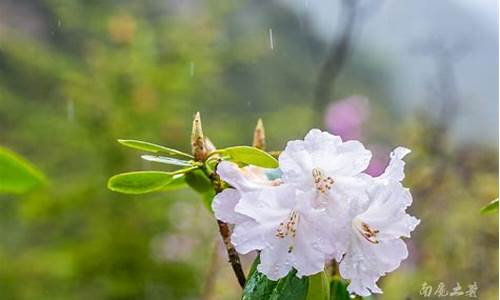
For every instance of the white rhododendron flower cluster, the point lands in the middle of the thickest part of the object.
(318, 206)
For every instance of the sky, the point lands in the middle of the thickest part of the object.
(395, 31)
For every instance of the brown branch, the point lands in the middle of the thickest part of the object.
(225, 232)
(234, 258)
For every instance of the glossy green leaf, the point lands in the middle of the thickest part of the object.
(177, 182)
(250, 155)
(338, 289)
(201, 184)
(491, 207)
(319, 288)
(150, 147)
(288, 288)
(167, 160)
(140, 182)
(17, 175)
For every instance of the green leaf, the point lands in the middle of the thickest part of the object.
(167, 160)
(338, 289)
(201, 184)
(140, 182)
(319, 288)
(17, 175)
(178, 182)
(150, 147)
(491, 207)
(251, 155)
(291, 287)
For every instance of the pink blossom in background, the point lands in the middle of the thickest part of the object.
(345, 117)
(379, 161)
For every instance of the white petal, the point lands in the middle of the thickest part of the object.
(223, 207)
(275, 261)
(350, 159)
(267, 205)
(366, 262)
(309, 249)
(250, 235)
(241, 178)
(387, 212)
(395, 169)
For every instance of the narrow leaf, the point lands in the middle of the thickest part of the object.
(251, 155)
(17, 175)
(167, 160)
(150, 147)
(139, 182)
(490, 207)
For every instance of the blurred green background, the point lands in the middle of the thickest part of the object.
(77, 75)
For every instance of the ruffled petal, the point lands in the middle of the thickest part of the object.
(223, 206)
(275, 260)
(366, 262)
(395, 169)
(250, 235)
(387, 212)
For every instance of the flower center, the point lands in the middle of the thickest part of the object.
(288, 227)
(322, 183)
(366, 231)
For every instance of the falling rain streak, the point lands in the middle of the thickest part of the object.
(271, 41)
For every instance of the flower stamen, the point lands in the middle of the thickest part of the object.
(322, 184)
(368, 233)
(289, 227)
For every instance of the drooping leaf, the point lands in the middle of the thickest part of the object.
(338, 289)
(201, 184)
(250, 155)
(140, 182)
(291, 287)
(17, 175)
(490, 207)
(319, 287)
(167, 160)
(150, 147)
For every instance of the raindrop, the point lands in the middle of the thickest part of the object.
(271, 42)
(191, 69)
(352, 296)
(306, 3)
(70, 110)
(58, 23)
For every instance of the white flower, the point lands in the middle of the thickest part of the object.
(329, 172)
(375, 246)
(274, 218)
(286, 229)
(249, 179)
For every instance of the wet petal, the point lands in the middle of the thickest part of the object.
(223, 206)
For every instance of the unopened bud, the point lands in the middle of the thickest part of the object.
(197, 140)
(259, 135)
